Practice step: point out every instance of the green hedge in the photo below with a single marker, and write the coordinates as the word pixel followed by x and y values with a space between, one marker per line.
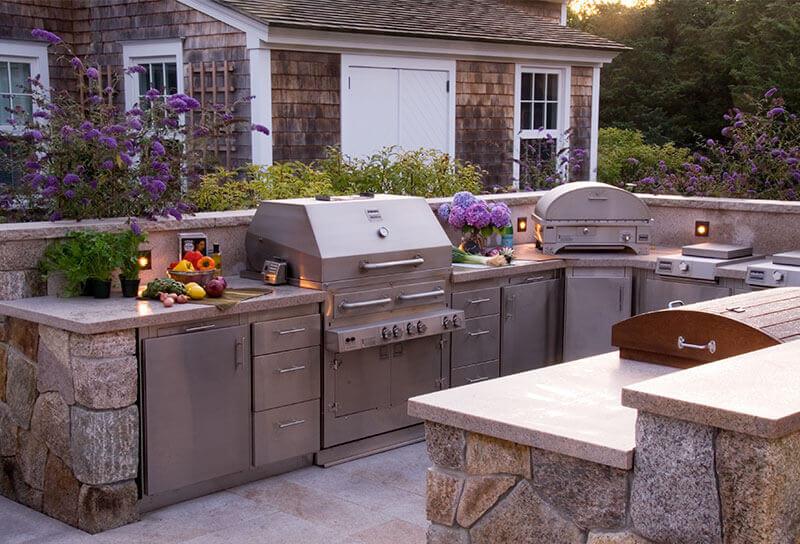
pixel 624 157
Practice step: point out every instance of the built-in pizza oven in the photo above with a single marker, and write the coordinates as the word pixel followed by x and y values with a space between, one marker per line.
pixel 591 216
pixel 711 331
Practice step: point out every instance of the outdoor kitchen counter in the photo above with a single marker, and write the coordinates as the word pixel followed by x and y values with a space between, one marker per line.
pixel 531 260
pixel 573 409
pixel 84 315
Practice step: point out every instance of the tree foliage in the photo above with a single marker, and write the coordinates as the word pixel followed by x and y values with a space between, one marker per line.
pixel 690 60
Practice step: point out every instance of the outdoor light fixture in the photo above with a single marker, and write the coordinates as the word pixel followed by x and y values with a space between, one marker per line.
pixel 702 228
pixel 144 260
pixel 522 224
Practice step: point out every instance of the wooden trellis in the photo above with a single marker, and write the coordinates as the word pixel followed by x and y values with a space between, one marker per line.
pixel 212 84
pixel 98 86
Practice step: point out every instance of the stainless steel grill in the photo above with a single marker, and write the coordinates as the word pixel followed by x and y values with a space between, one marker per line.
pixel 591 216
pixel 384 262
pixel 782 270
pixel 700 261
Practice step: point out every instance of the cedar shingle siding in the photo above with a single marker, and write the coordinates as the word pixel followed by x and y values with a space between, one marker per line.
pixel 96 28
pixel 306 110
pixel 548 10
pixel 581 115
pixel 485 117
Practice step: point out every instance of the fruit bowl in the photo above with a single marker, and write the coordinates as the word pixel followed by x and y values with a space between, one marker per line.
pixel 200 277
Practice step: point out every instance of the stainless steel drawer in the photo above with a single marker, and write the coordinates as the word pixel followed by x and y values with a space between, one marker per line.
pixel 481 372
pixel 286 334
pixel 478 303
pixel 285 378
pixel 477 342
pixel 285 432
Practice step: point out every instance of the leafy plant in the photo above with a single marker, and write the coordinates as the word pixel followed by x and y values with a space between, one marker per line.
pixel 68 257
pixel 423 173
pixel 544 165
pixel 624 158
pixel 128 253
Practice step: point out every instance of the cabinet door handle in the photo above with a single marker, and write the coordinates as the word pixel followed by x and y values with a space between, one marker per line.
pixel 291 369
pixel 239 353
pixel 291 423
pixel 535 278
pixel 478 333
pixel 291 331
pixel 199 328
pixel 480 300
pixel 476 380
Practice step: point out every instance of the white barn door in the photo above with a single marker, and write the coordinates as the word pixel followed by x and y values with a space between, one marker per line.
pixel 393 103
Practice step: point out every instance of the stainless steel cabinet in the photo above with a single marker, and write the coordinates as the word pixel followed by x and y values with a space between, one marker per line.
pixel 531 324
pixel 196 406
pixel 595 299
pixel 658 293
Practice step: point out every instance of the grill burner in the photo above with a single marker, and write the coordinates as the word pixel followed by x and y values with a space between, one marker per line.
pixel 384 262
pixel 591 216
pixel 700 261
pixel 783 271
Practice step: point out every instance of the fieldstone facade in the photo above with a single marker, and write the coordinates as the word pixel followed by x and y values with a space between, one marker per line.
pixel 690 484
pixel 69 423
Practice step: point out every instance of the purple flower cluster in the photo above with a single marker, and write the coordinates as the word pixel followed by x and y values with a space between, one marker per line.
pixel 468 211
pixel 42 34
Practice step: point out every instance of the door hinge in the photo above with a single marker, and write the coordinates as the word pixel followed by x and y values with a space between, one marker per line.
pixel 438 383
pixel 336 363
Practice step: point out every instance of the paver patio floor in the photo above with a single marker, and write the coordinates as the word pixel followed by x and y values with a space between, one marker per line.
pixel 375 500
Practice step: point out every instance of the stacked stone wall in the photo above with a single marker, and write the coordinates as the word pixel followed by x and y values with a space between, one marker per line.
pixel 69 423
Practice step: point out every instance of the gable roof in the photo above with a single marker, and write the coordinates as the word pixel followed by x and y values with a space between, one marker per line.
pixel 478 20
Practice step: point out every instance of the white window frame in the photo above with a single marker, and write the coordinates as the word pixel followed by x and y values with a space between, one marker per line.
pixel 32 53
pixel 564 109
pixel 150 51
pixel 403 63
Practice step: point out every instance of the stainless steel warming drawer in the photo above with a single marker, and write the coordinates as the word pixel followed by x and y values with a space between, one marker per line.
pixel 286 334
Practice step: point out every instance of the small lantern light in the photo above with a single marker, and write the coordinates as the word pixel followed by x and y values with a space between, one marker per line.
pixel 522 224
pixel 702 228
pixel 145 260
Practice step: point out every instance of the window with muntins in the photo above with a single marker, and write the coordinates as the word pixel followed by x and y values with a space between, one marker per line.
pixel 539 101
pixel 160 74
pixel 15 92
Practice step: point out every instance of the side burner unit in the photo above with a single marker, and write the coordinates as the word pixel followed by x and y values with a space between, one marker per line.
pixel 783 270
pixel 691 276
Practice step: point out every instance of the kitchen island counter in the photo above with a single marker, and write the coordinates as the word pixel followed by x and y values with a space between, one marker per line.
pixel 85 315
pixel 573 409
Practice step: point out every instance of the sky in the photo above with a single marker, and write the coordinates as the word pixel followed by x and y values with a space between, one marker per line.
pixel 579 4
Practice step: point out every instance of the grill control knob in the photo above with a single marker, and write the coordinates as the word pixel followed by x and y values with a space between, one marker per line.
pixel 386 333
pixel 683 267
pixel 626 237
pixel 397 332
pixel 456 321
pixel 421 327
pixel 586 230
pixel 411 329
pixel 777 275
pixel 446 322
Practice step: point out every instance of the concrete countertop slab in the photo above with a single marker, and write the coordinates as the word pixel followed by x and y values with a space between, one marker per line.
pixel 572 408
pixel 86 315
pixel 755 393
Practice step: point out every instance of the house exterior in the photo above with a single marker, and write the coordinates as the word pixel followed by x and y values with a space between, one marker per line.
pixel 479 80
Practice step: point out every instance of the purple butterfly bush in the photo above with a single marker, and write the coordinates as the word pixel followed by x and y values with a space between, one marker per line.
pixel 45 35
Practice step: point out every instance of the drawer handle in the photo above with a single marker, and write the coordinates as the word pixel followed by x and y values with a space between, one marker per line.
pixel 418 296
pixel 480 300
pixel 476 380
pixel 711 346
pixel 535 278
pixel 291 331
pixel 478 333
pixel 291 423
pixel 200 328
pixel 291 369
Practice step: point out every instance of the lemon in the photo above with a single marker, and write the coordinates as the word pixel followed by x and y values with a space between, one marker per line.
pixel 192 284
pixel 195 292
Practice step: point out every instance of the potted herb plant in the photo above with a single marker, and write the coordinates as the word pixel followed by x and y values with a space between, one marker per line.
pixel 66 264
pixel 128 252
pixel 101 251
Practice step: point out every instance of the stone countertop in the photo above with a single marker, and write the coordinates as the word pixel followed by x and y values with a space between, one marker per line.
pixel 572 408
pixel 531 260
pixel 85 315
pixel 755 393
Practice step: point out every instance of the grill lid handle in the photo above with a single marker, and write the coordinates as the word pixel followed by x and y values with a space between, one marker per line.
pixel 416 261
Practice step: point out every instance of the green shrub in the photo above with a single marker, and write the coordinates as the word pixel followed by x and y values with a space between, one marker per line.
pixel 624 157
pixel 426 173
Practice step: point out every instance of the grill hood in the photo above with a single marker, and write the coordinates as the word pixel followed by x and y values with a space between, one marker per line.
pixel 347 237
pixel 590 215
